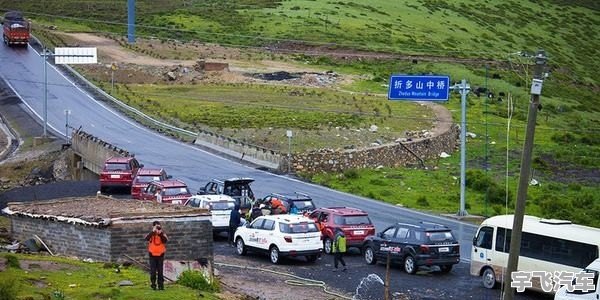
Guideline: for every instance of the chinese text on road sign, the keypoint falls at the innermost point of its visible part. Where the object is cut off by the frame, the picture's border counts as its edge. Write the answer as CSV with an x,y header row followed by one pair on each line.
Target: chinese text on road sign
x,y
419,88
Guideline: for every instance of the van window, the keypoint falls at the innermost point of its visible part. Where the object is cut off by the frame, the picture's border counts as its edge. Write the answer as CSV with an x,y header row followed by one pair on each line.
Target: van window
x,y
484,238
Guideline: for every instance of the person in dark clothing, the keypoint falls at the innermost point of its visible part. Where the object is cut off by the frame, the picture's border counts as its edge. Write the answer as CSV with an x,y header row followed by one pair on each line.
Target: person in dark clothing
x,y
156,252
339,248
234,223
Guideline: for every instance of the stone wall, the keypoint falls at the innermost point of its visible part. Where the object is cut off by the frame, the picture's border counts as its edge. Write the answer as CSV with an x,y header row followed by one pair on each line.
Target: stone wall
x,y
190,238
388,155
92,151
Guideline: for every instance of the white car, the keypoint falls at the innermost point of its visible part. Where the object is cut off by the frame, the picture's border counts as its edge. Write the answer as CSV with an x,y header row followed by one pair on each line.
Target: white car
x,y
279,236
594,294
220,207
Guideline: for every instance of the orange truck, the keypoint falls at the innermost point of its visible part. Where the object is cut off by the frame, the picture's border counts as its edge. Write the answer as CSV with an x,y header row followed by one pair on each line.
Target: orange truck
x,y
16,29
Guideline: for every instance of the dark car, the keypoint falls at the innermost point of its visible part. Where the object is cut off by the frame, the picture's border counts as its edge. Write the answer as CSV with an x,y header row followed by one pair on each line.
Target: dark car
x,y
303,202
145,176
355,224
167,191
414,245
118,172
238,188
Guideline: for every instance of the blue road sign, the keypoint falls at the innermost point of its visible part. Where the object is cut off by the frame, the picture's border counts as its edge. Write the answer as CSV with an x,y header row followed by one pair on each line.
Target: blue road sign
x,y
419,88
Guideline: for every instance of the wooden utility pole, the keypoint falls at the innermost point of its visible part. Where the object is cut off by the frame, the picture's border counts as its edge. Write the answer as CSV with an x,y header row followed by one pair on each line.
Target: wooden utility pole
x,y
386,289
517,230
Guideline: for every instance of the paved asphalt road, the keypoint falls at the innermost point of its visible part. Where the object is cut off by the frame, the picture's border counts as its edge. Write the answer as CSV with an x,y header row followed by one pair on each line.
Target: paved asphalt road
x,y
23,71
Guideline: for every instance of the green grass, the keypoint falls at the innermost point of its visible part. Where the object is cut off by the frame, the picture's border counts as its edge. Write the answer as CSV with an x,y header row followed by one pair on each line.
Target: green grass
x,y
261,114
91,280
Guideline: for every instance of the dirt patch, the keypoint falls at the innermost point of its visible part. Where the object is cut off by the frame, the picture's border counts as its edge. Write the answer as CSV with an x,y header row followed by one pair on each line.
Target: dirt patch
x,y
267,285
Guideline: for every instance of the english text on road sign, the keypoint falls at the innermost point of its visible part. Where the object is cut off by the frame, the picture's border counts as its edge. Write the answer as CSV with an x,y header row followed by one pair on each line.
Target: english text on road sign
x,y
419,88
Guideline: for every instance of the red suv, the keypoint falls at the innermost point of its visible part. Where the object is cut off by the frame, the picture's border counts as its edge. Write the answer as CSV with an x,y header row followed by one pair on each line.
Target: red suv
x,y
167,191
145,176
118,172
354,222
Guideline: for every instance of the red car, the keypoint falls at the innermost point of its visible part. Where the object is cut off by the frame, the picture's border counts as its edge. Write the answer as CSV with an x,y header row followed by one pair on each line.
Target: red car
x,y
354,222
167,191
145,176
118,172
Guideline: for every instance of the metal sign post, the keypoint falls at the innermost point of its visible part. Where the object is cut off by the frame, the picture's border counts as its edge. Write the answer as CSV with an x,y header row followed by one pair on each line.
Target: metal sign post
x,y
67,113
64,56
463,88
289,135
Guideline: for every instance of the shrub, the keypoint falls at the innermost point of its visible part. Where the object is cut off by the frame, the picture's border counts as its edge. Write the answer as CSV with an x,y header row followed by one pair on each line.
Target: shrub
x,y
351,174
422,201
196,280
8,289
12,261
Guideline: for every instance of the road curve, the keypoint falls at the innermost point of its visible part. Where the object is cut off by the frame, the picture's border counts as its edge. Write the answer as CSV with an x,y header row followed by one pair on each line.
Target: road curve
x,y
23,70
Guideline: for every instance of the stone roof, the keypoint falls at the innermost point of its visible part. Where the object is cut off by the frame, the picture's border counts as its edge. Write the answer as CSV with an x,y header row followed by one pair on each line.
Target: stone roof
x,y
99,211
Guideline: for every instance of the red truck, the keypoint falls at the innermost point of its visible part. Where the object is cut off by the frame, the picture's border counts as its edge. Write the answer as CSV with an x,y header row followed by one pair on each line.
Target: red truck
x,y
16,29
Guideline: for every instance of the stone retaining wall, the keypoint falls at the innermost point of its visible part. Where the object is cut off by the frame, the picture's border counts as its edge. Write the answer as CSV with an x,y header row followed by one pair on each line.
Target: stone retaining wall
x,y
93,151
388,155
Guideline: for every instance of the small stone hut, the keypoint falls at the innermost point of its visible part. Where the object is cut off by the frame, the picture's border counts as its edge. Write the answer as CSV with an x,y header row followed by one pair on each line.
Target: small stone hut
x,y
112,230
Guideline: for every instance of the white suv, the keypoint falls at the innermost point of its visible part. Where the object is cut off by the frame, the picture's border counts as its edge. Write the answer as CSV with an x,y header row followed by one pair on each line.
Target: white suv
x,y
280,235
220,207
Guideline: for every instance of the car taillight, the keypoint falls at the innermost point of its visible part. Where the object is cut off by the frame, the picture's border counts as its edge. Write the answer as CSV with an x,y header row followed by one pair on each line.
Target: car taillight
x,y
287,238
424,249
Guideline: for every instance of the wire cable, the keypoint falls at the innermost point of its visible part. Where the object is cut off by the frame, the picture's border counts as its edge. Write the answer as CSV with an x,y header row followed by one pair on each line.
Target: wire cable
x,y
296,281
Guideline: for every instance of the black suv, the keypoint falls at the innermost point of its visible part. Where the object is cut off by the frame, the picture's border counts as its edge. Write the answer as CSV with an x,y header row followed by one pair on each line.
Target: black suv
x,y
303,202
414,245
238,188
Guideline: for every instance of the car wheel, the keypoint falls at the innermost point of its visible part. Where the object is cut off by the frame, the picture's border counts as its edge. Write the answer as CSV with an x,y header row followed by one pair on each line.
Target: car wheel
x,y
327,245
369,255
409,264
274,254
240,247
489,278
311,258
446,268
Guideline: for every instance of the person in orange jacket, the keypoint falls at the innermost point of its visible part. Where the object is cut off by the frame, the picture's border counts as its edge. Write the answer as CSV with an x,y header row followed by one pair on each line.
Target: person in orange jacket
x,y
277,207
156,252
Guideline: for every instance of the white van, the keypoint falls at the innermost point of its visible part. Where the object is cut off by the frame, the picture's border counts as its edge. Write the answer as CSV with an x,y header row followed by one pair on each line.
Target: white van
x,y
563,294
220,207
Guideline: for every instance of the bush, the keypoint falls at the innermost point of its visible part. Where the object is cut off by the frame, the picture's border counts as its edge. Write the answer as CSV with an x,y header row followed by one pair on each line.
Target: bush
x,y
422,201
196,280
8,289
12,261
351,174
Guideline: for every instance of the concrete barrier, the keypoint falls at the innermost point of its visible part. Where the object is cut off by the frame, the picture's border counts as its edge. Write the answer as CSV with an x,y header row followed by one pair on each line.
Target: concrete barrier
x,y
91,152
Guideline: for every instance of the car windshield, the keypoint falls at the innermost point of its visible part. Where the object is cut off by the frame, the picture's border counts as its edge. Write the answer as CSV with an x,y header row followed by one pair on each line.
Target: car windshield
x,y
222,205
352,220
303,204
176,191
147,178
116,166
302,227
440,236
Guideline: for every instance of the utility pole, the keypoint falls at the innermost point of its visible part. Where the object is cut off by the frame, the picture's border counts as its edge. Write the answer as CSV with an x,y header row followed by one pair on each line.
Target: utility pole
x,y
515,238
463,89
131,21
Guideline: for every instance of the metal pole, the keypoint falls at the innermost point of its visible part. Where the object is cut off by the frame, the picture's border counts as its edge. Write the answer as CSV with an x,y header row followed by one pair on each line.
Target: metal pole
x,y
112,80
386,289
289,154
131,21
45,134
464,90
487,190
515,238
67,113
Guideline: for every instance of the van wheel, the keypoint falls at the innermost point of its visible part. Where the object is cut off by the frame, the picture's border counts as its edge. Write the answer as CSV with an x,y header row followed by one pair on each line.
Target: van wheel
x,y
327,245
409,264
489,279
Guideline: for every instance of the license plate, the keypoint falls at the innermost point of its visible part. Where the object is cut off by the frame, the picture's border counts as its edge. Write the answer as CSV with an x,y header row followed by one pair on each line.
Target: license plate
x,y
444,249
115,176
358,232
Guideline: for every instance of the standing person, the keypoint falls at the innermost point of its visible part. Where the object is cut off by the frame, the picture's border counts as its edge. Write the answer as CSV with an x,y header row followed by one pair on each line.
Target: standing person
x,y
234,222
156,251
339,248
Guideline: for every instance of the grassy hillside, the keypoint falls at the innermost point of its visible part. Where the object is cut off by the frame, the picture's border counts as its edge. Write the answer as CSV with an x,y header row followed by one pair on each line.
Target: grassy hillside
x,y
464,35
